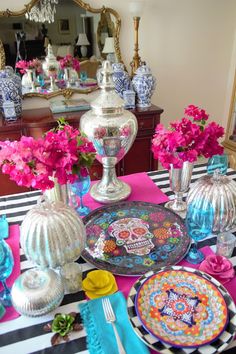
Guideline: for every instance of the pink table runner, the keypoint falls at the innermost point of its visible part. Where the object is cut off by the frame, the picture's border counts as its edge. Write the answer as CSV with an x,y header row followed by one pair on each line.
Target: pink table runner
x,y
14,243
143,189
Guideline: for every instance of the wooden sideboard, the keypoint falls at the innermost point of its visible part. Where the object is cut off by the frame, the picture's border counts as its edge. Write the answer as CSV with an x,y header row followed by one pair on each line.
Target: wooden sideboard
x,y
35,122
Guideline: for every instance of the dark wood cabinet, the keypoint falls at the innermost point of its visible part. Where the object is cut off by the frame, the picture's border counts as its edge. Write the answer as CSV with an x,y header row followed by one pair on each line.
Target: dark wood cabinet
x,y
35,122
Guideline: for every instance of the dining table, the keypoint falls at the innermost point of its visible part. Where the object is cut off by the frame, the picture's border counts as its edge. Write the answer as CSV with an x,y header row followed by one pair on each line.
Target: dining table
x,y
23,334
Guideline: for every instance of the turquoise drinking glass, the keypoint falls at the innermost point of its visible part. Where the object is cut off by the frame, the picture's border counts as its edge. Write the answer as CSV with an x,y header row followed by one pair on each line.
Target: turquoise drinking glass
x,y
78,189
83,76
217,162
40,80
6,267
199,224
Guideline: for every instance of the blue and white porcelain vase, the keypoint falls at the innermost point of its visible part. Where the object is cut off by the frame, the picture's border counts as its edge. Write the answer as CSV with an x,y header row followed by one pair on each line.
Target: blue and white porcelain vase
x,y
144,84
121,78
10,89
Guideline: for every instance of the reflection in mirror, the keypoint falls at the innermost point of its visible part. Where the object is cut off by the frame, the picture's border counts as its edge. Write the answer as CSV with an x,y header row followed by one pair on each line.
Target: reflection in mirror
x,y
77,30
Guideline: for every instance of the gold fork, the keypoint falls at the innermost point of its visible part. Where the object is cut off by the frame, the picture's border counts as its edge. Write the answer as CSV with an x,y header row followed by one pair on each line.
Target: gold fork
x,y
111,318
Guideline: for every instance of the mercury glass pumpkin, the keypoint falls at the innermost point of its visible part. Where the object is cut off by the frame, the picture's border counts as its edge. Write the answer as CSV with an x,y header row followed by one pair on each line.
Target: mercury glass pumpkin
x,y
219,191
52,234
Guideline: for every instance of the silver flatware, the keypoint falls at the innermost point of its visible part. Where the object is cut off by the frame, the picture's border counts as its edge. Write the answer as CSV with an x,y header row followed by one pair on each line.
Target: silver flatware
x,y
111,318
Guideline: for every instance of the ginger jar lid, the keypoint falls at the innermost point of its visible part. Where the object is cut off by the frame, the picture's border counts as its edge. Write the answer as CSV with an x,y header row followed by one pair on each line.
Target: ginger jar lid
x,y
118,67
143,70
108,101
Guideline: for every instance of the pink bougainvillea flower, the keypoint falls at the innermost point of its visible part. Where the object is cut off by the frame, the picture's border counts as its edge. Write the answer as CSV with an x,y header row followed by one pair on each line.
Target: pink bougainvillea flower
x,y
187,139
34,162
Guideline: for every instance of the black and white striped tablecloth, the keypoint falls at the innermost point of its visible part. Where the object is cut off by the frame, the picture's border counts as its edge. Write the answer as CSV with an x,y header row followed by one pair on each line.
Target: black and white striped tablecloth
x,y
25,335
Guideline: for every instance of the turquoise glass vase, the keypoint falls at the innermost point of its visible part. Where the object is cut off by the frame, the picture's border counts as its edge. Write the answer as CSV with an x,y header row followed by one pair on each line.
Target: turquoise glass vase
x,y
6,267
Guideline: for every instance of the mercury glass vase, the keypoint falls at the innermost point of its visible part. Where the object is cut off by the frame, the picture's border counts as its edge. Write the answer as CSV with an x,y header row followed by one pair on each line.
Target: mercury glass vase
x,y
67,77
58,193
112,129
180,179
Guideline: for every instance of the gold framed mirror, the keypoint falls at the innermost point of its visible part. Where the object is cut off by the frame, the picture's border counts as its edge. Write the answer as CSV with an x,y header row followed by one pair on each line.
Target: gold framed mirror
x,y
71,18
230,134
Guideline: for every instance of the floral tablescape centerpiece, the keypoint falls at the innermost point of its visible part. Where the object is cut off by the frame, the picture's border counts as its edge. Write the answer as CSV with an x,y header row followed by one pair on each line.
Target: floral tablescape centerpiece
x,y
42,163
30,69
25,65
70,66
48,236
180,146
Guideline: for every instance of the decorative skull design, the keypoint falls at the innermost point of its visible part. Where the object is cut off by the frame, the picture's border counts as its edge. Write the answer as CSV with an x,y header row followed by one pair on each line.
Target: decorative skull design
x,y
134,234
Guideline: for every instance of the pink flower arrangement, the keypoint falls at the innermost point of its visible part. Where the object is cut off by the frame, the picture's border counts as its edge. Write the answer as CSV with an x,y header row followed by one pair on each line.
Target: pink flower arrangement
x,y
59,154
69,62
24,65
187,139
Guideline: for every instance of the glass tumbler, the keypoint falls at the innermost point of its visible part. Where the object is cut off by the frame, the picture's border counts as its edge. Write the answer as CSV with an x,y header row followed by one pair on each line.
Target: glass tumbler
x,y
225,244
71,274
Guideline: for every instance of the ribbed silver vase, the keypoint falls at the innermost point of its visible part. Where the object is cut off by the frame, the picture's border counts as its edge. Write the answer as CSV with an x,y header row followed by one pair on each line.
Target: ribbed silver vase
x,y
112,129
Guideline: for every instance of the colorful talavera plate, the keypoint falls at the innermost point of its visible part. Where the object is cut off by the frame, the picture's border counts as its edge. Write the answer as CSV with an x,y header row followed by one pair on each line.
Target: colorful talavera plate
x,y
131,238
165,311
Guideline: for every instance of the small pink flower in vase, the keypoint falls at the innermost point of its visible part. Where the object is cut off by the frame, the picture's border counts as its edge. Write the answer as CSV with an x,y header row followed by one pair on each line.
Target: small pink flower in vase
x,y
68,63
22,65
183,143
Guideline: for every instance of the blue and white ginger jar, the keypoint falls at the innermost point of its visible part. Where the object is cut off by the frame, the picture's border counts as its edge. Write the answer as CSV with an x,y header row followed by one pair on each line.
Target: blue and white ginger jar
x,y
11,89
121,78
144,84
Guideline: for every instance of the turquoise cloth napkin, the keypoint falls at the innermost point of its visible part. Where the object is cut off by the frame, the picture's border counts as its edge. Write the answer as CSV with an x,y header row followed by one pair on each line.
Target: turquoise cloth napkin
x,y
100,334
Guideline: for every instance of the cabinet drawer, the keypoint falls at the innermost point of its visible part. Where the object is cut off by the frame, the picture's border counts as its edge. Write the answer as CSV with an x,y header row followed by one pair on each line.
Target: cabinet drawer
x,y
11,135
146,123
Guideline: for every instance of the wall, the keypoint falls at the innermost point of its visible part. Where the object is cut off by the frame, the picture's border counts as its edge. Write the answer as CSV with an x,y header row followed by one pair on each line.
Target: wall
x,y
189,45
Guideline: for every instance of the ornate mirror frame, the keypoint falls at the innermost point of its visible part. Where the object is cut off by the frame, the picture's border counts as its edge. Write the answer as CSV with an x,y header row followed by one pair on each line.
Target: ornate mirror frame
x,y
104,11
229,143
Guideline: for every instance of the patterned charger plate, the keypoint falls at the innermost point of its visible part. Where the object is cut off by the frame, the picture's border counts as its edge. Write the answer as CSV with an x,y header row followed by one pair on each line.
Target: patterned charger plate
x,y
182,307
131,238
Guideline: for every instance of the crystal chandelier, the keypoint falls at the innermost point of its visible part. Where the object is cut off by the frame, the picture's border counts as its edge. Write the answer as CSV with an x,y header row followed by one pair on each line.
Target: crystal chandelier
x,y
44,11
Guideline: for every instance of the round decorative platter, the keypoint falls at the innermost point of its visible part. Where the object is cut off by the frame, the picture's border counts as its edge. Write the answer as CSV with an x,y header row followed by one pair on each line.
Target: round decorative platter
x,y
180,307
131,238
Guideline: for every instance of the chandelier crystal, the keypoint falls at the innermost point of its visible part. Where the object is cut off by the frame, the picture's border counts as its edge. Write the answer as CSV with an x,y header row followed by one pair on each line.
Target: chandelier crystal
x,y
44,11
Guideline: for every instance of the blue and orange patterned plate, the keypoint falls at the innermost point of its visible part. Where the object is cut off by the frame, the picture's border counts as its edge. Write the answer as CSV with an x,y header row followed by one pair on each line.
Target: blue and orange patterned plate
x,y
131,238
181,308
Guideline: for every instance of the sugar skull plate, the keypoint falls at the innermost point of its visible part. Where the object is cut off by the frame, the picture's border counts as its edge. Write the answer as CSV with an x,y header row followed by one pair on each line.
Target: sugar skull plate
x,y
180,307
131,238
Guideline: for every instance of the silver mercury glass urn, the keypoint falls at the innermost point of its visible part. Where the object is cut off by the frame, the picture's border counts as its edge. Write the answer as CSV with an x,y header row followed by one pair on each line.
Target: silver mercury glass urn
x,y
112,129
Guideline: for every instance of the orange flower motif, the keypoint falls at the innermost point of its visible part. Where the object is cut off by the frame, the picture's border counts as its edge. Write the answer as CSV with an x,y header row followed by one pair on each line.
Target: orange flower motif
x,y
161,233
167,224
194,330
139,231
109,246
167,286
203,298
154,313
